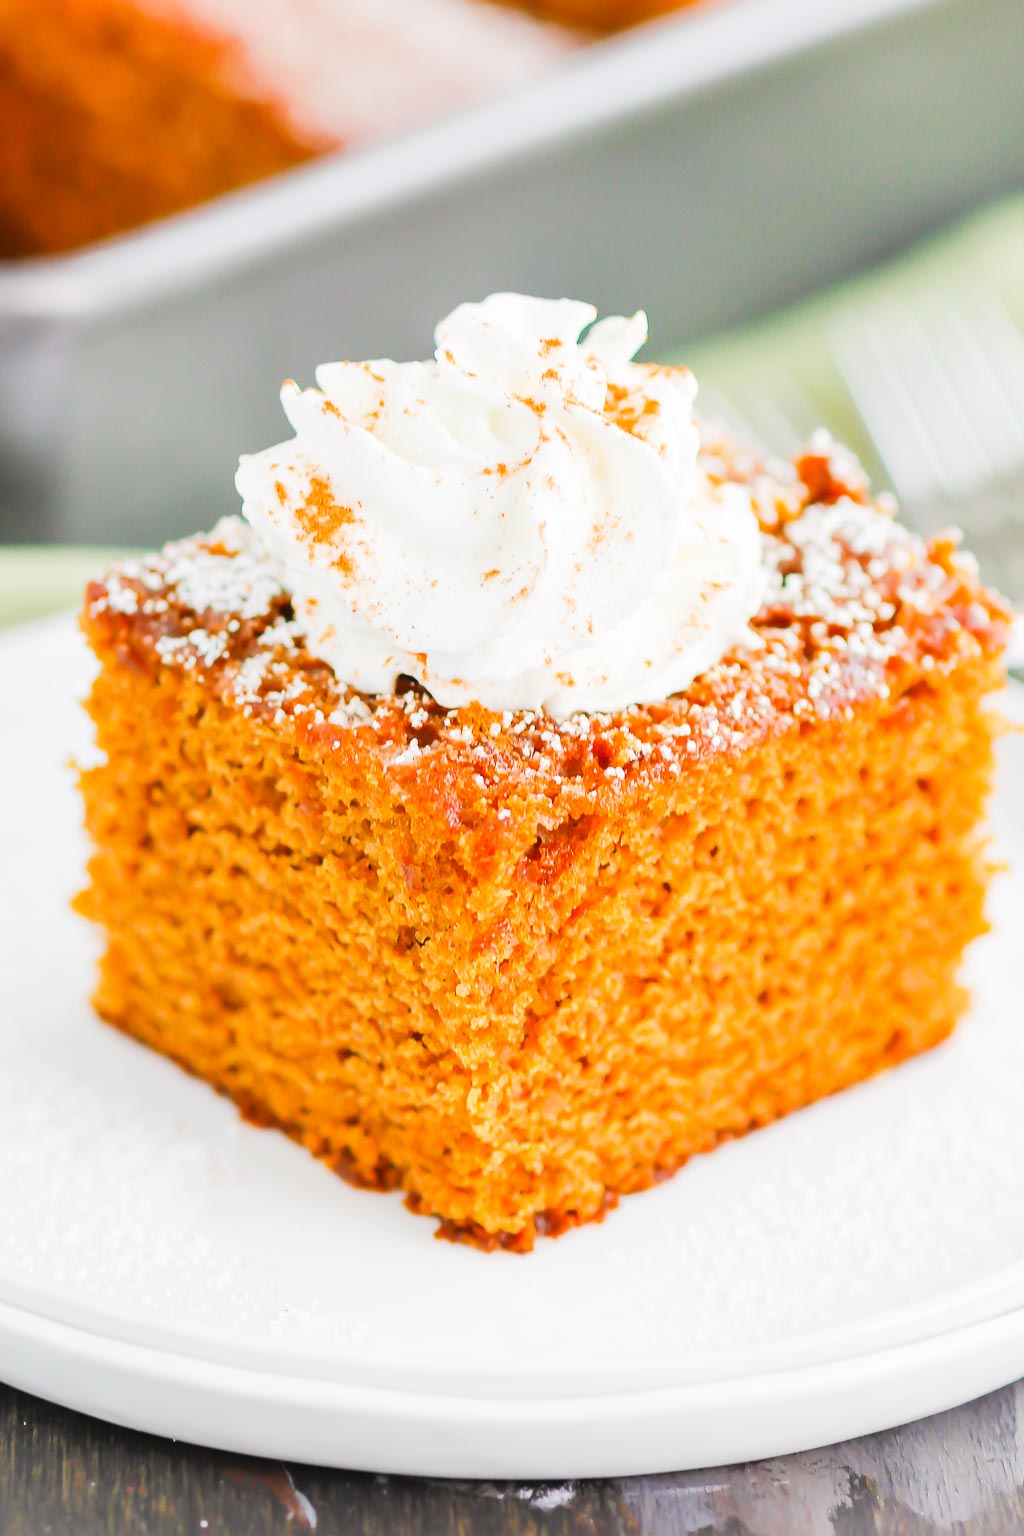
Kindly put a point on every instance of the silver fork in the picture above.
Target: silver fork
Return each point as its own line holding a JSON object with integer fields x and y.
{"x": 940, "y": 392}
{"x": 940, "y": 389}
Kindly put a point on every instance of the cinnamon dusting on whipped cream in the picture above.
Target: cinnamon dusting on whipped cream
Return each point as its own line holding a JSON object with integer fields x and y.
{"x": 520, "y": 522}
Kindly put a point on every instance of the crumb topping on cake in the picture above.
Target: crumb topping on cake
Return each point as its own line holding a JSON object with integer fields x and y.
{"x": 854, "y": 600}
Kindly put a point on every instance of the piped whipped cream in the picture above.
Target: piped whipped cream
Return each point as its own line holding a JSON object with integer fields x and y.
{"x": 521, "y": 522}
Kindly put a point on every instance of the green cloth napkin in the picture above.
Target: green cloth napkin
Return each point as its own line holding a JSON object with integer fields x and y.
{"x": 40, "y": 579}
{"x": 985, "y": 252}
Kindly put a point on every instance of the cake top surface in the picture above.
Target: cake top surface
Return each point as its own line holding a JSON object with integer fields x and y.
{"x": 855, "y": 608}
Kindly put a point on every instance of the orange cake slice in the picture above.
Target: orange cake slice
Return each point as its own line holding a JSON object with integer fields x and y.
{"x": 117, "y": 112}
{"x": 518, "y": 964}
{"x": 605, "y": 15}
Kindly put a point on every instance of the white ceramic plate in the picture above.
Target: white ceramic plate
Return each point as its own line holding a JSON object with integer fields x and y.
{"x": 170, "y": 1268}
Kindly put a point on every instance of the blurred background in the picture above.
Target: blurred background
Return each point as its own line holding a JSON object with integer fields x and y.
{"x": 819, "y": 202}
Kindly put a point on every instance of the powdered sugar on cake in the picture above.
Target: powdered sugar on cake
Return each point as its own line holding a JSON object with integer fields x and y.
{"x": 853, "y": 600}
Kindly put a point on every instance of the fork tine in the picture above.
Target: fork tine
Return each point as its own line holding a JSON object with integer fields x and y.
{"x": 984, "y": 401}
{"x": 784, "y": 417}
{"x": 888, "y": 410}
{"x": 781, "y": 419}
{"x": 914, "y": 344}
{"x": 771, "y": 428}
{"x": 717, "y": 404}
{"x": 940, "y": 391}
{"x": 995, "y": 344}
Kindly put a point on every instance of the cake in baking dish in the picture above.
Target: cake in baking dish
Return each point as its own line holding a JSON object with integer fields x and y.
{"x": 117, "y": 112}
{"x": 536, "y": 788}
{"x": 605, "y": 15}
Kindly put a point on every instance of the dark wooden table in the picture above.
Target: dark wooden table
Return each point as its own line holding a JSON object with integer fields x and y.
{"x": 65, "y": 1475}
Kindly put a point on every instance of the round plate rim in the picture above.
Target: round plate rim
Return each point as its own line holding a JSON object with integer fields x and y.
{"x": 608, "y": 1435}
{"x": 984, "y": 1300}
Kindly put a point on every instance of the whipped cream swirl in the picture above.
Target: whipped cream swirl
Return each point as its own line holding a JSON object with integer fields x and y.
{"x": 521, "y": 522}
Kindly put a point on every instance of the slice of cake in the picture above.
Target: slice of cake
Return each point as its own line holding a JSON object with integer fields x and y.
{"x": 604, "y": 15}
{"x": 116, "y": 112}
{"x": 536, "y": 790}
